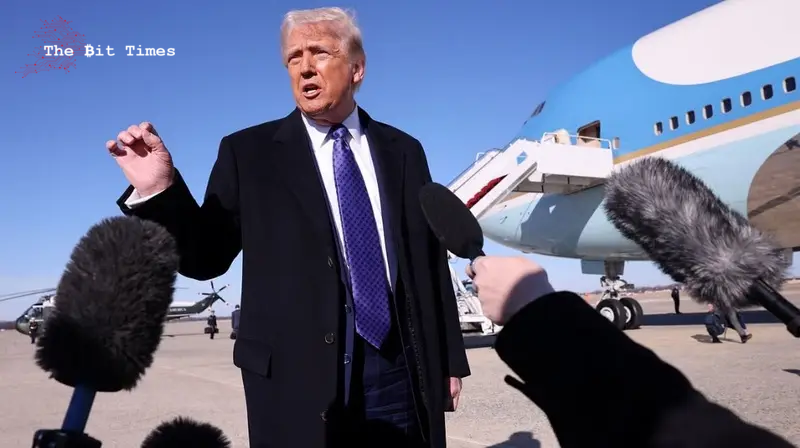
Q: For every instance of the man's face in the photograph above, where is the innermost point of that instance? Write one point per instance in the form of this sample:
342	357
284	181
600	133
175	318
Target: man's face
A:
321	73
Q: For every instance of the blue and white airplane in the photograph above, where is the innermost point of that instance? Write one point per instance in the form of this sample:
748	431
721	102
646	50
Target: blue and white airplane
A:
715	92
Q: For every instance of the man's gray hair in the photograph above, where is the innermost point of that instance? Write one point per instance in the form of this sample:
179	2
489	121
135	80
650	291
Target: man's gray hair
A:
342	23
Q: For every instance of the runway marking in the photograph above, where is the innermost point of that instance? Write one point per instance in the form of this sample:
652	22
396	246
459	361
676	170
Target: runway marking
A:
195	375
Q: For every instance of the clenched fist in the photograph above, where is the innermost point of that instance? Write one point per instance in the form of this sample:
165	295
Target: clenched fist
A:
506	284
143	158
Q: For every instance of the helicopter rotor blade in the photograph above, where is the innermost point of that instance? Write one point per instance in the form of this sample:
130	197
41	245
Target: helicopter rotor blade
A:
29	292
212	286
220	289
24	294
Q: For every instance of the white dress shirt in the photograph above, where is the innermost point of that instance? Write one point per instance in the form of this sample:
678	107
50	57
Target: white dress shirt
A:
322	145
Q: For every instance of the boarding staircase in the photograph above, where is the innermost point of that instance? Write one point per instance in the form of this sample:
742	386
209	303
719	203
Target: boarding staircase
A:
559	163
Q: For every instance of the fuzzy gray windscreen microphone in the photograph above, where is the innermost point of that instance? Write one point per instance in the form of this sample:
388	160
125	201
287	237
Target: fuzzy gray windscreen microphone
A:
691	234
110	306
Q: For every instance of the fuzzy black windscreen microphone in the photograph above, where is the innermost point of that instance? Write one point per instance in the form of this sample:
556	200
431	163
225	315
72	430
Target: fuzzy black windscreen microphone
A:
110	307
184	432
697	239
451	221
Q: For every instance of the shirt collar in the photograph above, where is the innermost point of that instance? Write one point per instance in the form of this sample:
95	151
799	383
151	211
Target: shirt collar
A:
319	133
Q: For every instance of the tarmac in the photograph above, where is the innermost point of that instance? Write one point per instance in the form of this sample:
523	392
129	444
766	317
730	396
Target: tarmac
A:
195	376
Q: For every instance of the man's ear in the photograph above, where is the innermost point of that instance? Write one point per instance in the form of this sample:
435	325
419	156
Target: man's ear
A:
359	67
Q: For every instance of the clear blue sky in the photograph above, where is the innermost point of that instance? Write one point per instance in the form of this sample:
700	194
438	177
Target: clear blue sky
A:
461	76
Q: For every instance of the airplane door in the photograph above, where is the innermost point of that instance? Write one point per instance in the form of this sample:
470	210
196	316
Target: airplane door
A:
589	134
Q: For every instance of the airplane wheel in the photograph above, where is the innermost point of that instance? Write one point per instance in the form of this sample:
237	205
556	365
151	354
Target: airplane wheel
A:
614	311
634	314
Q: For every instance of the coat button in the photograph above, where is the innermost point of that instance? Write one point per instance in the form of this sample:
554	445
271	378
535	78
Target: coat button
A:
330	262
348	309
347	358
330	338
324	416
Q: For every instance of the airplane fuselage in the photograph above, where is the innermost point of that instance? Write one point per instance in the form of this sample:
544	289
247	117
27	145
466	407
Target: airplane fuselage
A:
716	92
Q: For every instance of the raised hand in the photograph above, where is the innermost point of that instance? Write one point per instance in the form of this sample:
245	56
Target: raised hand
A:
143	158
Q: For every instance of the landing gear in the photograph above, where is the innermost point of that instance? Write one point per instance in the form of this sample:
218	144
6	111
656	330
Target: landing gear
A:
625	313
614	311
633	313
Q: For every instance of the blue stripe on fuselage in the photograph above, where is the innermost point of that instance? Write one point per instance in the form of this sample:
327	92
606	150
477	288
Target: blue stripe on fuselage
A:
628	103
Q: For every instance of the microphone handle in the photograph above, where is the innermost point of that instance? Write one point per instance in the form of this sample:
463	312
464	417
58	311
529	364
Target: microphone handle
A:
776	304
474	257
80	406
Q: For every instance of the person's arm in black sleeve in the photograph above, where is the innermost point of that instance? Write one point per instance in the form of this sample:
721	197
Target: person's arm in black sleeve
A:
208	236
600	389
457	362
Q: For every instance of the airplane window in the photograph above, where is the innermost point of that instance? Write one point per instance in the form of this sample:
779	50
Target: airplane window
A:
747	99
726	105
690	117
789	84
708	111
658	129
766	92
673	123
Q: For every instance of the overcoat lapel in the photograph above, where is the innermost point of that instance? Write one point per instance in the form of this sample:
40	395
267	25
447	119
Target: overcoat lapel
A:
295	163
389	161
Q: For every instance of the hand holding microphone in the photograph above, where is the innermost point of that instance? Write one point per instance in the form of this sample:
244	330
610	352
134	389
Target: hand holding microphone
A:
658	400
505	285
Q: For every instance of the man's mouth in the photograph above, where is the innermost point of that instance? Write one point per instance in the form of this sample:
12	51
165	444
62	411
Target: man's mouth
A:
311	90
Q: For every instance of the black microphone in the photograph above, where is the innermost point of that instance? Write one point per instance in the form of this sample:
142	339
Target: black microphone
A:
183	432
698	240
110	308
451	221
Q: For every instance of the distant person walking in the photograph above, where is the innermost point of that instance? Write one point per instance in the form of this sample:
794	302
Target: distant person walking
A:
33	330
717	321
676	299
212	324
235	321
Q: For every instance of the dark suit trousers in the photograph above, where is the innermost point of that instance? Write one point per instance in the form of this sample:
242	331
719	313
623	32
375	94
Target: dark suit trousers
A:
382	401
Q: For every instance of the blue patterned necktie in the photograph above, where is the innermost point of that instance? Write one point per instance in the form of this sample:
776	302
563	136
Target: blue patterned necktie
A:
362	244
